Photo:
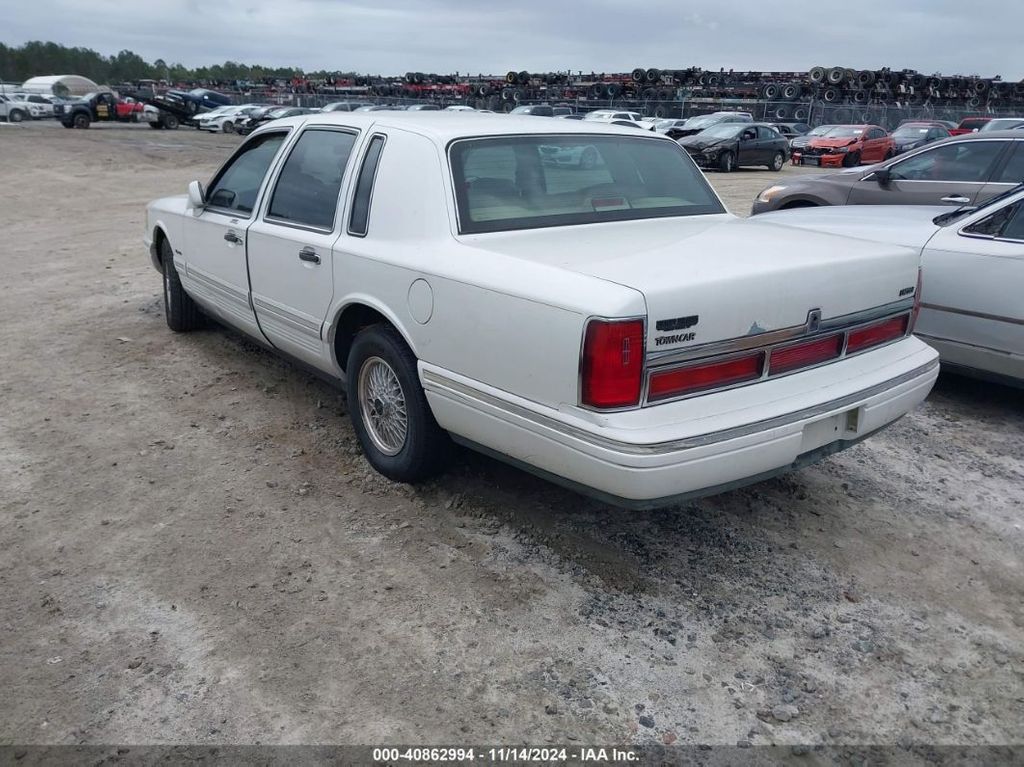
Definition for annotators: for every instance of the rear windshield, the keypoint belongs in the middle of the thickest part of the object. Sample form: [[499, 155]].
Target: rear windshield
[[528, 182]]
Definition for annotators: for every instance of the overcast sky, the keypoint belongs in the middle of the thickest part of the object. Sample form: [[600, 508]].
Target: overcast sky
[[394, 36]]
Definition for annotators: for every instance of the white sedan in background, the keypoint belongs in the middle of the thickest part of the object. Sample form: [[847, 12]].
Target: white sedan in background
[[612, 328], [611, 115], [972, 259], [224, 119], [39, 107]]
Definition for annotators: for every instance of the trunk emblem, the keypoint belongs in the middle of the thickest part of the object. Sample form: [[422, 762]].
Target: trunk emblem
[[678, 323]]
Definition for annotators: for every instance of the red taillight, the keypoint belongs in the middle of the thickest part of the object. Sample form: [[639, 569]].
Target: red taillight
[[789, 358], [711, 375], [917, 304], [879, 333], [613, 360]]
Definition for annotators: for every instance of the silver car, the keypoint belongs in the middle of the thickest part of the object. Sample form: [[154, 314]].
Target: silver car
[[972, 267], [961, 170]]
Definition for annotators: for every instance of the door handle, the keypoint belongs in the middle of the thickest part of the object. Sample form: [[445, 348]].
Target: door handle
[[308, 254], [956, 199], [233, 238]]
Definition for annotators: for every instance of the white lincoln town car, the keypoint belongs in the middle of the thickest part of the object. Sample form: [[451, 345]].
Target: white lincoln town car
[[607, 324]]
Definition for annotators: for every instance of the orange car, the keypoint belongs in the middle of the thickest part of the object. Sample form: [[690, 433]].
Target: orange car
[[847, 146]]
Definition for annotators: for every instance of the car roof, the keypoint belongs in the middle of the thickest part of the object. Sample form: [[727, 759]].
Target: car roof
[[445, 126], [1014, 134]]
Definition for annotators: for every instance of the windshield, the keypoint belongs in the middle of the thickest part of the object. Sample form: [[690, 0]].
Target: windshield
[[821, 130], [278, 112], [945, 219], [528, 182], [844, 131], [911, 131], [702, 121], [727, 130]]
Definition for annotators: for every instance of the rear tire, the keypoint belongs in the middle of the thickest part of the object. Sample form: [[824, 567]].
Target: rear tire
[[727, 162], [155, 126], [778, 160], [389, 410], [181, 311]]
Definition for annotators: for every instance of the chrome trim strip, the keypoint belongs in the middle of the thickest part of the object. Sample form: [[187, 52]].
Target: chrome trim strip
[[969, 313], [940, 340], [773, 337], [437, 382], [285, 314]]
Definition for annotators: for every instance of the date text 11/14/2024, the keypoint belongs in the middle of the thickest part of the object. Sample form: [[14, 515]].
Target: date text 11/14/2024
[[501, 754]]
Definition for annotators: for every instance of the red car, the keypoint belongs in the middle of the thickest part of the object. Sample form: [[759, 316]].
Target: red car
[[969, 125], [847, 146]]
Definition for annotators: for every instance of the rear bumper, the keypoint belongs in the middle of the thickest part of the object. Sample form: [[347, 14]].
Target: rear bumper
[[660, 455]]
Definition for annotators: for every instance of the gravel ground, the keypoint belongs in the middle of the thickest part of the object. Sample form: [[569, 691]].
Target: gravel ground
[[195, 551]]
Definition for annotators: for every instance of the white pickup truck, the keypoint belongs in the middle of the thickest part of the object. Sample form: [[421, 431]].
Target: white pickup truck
[[608, 326]]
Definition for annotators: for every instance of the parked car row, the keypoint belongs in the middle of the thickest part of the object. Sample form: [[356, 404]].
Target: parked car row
[[17, 107]]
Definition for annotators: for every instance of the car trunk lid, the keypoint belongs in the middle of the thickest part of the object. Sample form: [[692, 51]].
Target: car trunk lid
[[716, 278]]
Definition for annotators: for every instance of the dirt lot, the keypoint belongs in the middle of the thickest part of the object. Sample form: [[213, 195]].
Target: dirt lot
[[194, 550]]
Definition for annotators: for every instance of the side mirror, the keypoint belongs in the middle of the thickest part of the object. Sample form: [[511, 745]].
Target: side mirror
[[882, 176], [196, 196]]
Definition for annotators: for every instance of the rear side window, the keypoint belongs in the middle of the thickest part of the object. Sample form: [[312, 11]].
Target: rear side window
[[238, 184], [306, 193], [528, 182], [1013, 171], [360, 219], [963, 161], [1006, 222]]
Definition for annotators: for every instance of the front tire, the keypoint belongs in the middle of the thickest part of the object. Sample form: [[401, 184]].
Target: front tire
[[778, 160], [15, 116], [727, 162], [851, 160], [81, 121], [229, 127], [181, 311], [169, 121], [389, 410]]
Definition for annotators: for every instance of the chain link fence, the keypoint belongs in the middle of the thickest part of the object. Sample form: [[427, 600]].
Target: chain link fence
[[813, 112]]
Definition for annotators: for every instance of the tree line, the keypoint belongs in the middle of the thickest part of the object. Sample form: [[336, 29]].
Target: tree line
[[34, 58]]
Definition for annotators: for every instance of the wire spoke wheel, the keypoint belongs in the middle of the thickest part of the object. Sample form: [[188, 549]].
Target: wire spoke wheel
[[383, 407]]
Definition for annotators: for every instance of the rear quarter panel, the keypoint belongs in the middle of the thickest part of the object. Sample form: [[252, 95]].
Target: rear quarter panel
[[511, 323]]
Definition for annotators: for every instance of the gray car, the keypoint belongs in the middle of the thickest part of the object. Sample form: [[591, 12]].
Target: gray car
[[961, 170], [1002, 123]]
